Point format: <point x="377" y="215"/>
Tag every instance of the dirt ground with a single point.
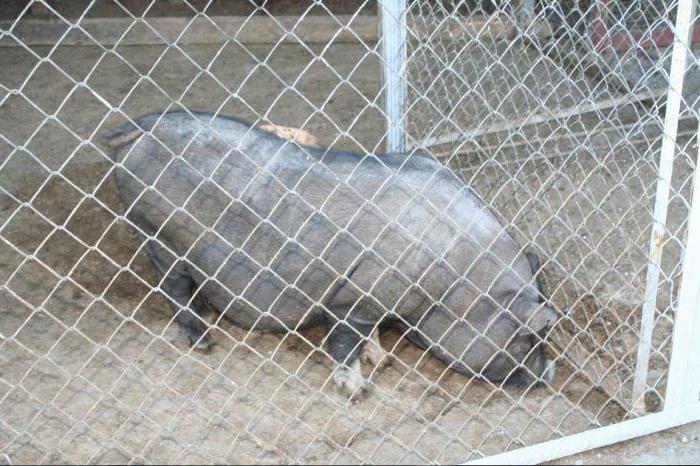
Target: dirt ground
<point x="93" y="370"/>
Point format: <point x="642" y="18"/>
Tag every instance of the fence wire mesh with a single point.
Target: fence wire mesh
<point x="555" y="123"/>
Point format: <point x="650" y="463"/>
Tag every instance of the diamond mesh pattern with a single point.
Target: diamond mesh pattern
<point x="558" y="136"/>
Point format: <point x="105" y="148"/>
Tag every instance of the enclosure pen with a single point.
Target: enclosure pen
<point x="391" y="231"/>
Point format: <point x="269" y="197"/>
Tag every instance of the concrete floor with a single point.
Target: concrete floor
<point x="674" y="446"/>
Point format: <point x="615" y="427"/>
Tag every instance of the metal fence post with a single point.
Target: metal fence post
<point x="686" y="9"/>
<point x="393" y="18"/>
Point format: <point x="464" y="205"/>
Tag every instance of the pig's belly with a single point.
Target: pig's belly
<point x="256" y="298"/>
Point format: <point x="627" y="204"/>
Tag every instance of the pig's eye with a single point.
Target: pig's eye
<point x="532" y="340"/>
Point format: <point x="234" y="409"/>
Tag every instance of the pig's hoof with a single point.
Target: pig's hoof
<point x="350" y="381"/>
<point x="374" y="355"/>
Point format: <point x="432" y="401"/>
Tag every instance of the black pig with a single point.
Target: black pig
<point x="279" y="236"/>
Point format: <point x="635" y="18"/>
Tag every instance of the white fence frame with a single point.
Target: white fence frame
<point x="686" y="11"/>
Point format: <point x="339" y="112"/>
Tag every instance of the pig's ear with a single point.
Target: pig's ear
<point x="535" y="265"/>
<point x="533" y="260"/>
<point x="542" y="317"/>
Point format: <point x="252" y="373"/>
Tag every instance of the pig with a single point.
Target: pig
<point x="278" y="236"/>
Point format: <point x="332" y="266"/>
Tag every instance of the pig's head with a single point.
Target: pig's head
<point x="501" y="341"/>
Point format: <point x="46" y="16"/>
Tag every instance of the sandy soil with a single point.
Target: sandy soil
<point x="92" y="368"/>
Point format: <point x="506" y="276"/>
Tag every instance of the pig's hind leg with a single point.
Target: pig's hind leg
<point x="345" y="342"/>
<point x="177" y="284"/>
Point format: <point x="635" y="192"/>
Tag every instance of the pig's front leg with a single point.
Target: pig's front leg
<point x="345" y="342"/>
<point x="178" y="286"/>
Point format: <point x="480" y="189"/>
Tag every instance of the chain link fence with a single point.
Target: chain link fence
<point x="194" y="288"/>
